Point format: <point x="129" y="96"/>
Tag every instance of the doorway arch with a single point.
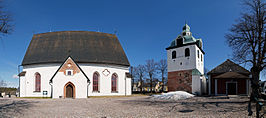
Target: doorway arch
<point x="69" y="90"/>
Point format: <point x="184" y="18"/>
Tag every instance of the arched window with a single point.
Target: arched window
<point x="114" y="83"/>
<point x="201" y="57"/>
<point x="173" y="54"/>
<point x="198" y="53"/>
<point x="187" y="52"/>
<point x="95" y="81"/>
<point x="37" y="82"/>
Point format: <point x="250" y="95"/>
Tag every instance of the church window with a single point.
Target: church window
<point x="180" y="63"/>
<point x="37" y="82"/>
<point x="201" y="57"/>
<point x="187" y="52"/>
<point x="114" y="83"/>
<point x="173" y="54"/>
<point x="69" y="72"/>
<point x="95" y="81"/>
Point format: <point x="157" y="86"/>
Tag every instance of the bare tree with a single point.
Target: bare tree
<point x="139" y="72"/>
<point x="247" y="40"/>
<point x="150" y="68"/>
<point x="162" y="67"/>
<point x="5" y="20"/>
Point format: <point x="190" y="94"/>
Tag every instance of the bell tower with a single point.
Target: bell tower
<point x="185" y="61"/>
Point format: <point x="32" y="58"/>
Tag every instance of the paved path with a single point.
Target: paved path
<point x="141" y="106"/>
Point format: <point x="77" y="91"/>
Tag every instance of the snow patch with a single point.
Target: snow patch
<point x="176" y="95"/>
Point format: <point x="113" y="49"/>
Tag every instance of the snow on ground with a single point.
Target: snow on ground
<point x="176" y="95"/>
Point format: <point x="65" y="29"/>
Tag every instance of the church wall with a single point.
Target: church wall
<point x="22" y="86"/>
<point x="47" y="71"/>
<point x="105" y="79"/>
<point x="79" y="81"/>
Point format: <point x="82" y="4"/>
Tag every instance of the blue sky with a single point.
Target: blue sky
<point x="145" y="28"/>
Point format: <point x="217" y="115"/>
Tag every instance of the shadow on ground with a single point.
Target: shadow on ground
<point x="11" y="108"/>
<point x="197" y="104"/>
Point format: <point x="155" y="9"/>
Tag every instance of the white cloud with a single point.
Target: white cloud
<point x="15" y="76"/>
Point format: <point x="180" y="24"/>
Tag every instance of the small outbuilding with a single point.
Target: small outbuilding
<point x="229" y="78"/>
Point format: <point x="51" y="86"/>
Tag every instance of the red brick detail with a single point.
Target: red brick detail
<point x="180" y="81"/>
<point x="72" y="66"/>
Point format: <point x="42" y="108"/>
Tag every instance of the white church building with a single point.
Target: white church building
<point x="185" y="64"/>
<point x="74" y="64"/>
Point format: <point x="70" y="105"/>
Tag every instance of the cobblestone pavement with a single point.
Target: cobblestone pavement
<point x="141" y="106"/>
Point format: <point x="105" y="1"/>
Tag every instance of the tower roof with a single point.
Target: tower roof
<point x="186" y="28"/>
<point x="185" y="38"/>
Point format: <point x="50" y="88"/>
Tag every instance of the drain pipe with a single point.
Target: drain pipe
<point x="88" y="88"/>
<point x="19" y="79"/>
<point x="125" y="84"/>
<point x="51" y="89"/>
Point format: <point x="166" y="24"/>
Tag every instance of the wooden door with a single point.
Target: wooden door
<point x="69" y="91"/>
<point x="231" y="88"/>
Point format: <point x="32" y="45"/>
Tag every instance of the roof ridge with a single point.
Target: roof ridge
<point x="37" y="34"/>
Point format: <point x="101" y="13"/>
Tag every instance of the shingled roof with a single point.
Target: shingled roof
<point x="82" y="46"/>
<point x="228" y="66"/>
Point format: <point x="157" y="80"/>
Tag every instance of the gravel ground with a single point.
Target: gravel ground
<point x="141" y="106"/>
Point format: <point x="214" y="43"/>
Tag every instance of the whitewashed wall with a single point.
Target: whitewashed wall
<point x="79" y="81"/>
<point x="105" y="81"/>
<point x="188" y="63"/>
<point x="22" y="84"/>
<point x="47" y="71"/>
<point x="196" y="84"/>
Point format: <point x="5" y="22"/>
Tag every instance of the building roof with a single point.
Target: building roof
<point x="185" y="38"/>
<point x="228" y="66"/>
<point x="234" y="75"/>
<point x="23" y="73"/>
<point x="82" y="46"/>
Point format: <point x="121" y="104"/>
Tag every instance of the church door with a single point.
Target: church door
<point x="69" y="90"/>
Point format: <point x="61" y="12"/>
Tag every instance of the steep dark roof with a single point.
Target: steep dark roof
<point x="82" y="46"/>
<point x="228" y="66"/>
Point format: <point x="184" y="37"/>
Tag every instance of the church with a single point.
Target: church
<point x="185" y="64"/>
<point x="74" y="64"/>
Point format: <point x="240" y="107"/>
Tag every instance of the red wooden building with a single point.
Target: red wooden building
<point x="229" y="78"/>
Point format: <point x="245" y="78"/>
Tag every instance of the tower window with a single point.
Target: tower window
<point x="173" y="54"/>
<point x="201" y="57"/>
<point x="198" y="53"/>
<point x="187" y="52"/>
